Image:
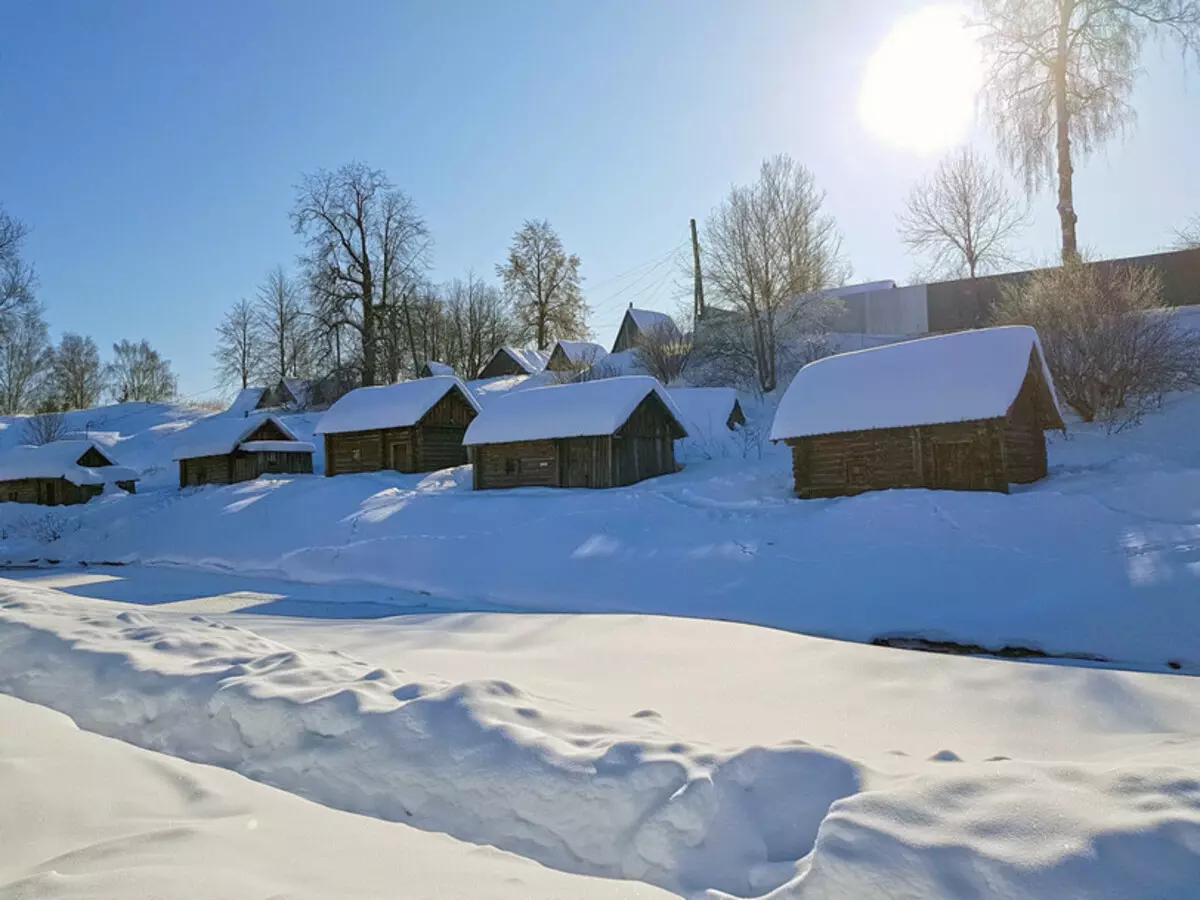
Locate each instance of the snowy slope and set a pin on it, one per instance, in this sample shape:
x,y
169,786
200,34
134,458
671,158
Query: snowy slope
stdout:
x,y
89,817
692,755
1101,558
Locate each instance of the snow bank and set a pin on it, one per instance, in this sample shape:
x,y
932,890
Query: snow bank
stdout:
x,y
60,459
390,406
948,378
470,759
89,817
565,410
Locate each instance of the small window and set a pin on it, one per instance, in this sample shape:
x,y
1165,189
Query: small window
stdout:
x,y
512,465
858,472
13,496
356,454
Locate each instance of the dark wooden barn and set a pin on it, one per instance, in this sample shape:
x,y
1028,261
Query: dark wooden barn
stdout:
x,y
413,426
230,449
644,322
594,434
514,361
62,473
963,411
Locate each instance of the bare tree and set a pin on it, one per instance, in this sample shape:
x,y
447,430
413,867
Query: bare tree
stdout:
x,y
281,326
367,247
962,218
544,285
481,320
137,373
238,353
24,358
1188,237
76,376
44,428
1062,72
769,251
17,279
663,352
1112,346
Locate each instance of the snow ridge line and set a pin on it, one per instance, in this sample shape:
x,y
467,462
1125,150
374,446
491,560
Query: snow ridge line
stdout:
x,y
467,759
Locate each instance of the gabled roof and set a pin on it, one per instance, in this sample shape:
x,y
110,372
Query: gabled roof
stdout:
x,y
433,367
246,400
705,410
960,377
218,435
61,460
650,320
532,361
580,352
586,409
399,405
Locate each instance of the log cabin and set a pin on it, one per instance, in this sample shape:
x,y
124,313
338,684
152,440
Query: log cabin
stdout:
x,y
61,473
961,411
514,361
593,434
637,323
413,426
229,449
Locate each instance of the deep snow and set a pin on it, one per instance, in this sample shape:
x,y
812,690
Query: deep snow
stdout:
x,y
1103,557
693,755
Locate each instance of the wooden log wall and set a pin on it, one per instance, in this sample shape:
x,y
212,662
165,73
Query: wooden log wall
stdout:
x,y
519,464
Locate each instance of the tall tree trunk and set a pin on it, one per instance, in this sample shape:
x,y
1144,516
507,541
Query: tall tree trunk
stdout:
x,y
368,336
1062,114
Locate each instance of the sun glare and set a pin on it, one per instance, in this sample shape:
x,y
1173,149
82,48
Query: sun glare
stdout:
x,y
920,86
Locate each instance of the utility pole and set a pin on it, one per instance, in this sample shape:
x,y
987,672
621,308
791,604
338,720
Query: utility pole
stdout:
x,y
698,290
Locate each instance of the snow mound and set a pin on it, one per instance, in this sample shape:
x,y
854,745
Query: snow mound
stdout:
x,y
956,377
466,759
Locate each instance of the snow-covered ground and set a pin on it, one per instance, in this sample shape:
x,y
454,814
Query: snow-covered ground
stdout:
x,y
696,756
1101,558
85,817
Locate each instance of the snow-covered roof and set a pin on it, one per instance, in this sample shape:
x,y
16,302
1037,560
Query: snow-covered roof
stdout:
x,y
590,408
532,361
578,352
218,435
704,410
849,290
246,400
433,367
60,459
650,320
299,389
390,406
956,377
276,447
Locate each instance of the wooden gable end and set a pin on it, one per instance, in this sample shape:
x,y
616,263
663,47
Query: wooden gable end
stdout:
x,y
652,418
267,431
93,459
1034,403
452,410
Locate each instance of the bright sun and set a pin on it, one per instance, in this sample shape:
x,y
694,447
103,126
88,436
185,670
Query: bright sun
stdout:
x,y
920,86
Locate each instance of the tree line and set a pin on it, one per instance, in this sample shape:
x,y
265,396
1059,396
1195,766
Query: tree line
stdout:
x,y
37,376
359,306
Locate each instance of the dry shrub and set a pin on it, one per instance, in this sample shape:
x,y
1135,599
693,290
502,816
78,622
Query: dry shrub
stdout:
x,y
1112,346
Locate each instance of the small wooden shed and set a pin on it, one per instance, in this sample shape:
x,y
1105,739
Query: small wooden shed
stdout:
x,y
574,356
593,434
226,449
707,410
639,322
431,368
514,361
61,473
413,426
962,411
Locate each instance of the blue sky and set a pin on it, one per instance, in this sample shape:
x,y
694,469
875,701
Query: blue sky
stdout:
x,y
153,146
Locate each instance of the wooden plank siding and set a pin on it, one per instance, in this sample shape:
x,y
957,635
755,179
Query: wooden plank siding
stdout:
x,y
643,447
49,491
435,442
627,335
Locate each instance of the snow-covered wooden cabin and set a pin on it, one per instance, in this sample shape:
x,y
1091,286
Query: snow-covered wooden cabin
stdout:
x,y
594,434
227,449
574,356
432,367
962,411
61,473
707,410
514,361
645,322
413,426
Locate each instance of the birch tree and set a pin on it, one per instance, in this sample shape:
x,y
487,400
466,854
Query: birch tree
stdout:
x,y
1061,76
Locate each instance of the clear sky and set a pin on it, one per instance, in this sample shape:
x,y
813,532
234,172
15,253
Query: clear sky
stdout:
x,y
153,145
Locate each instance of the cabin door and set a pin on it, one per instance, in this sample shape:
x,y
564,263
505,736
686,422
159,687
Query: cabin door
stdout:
x,y
243,468
958,466
400,456
578,459
46,494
